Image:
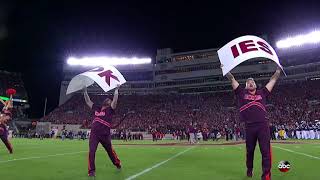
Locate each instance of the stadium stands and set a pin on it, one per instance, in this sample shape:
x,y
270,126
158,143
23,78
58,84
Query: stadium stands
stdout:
x,y
288,104
12,80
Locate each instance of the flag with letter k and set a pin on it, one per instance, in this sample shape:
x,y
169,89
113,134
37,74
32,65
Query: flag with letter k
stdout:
x,y
107,77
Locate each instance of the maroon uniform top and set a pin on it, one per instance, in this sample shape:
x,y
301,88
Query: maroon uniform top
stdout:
x,y
252,107
104,117
191,129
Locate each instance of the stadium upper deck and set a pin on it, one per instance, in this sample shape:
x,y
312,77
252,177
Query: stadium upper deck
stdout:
x,y
199,71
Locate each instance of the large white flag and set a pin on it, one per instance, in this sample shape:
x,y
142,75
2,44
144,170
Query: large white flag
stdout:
x,y
245,48
107,77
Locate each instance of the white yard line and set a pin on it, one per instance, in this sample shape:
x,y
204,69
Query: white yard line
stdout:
x,y
41,157
157,165
295,152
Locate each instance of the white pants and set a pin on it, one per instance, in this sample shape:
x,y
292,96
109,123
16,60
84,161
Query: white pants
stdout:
x,y
308,134
292,134
312,134
304,134
192,138
317,134
298,134
285,135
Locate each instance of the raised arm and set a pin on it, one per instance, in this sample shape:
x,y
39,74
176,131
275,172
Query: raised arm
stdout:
x,y
233,81
10,102
87,98
273,79
115,98
7,104
1,119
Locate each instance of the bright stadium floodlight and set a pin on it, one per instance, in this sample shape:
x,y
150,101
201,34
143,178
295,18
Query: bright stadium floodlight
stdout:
x,y
310,38
98,61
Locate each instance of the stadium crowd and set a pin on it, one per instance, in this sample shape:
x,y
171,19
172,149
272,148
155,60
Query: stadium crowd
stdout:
x,y
12,80
214,112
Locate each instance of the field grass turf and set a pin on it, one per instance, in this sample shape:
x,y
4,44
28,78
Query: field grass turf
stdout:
x,y
35,159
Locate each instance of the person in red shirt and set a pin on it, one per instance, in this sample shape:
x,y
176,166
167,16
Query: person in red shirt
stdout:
x,y
252,107
100,130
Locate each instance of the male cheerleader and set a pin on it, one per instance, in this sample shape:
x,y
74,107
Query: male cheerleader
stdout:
x,y
100,130
252,103
5,116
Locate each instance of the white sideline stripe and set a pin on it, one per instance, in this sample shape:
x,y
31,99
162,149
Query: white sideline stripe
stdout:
x,y
157,165
295,152
40,157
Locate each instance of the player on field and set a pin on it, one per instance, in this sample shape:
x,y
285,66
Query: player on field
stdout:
x,y
100,130
298,130
318,130
303,131
5,116
252,103
312,128
191,132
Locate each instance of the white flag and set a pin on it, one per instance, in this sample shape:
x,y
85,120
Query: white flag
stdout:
x,y
107,77
245,48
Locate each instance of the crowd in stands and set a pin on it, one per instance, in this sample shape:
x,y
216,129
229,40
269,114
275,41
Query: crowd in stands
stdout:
x,y
12,80
216,112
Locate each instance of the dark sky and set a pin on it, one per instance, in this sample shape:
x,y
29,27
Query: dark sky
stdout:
x,y
41,34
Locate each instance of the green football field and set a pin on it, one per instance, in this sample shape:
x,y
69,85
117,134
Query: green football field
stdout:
x,y
35,159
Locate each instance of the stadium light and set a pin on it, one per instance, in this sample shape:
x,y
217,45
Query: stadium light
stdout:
x,y
97,61
310,38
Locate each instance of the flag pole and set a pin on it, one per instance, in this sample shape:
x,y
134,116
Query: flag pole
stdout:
x,y
45,107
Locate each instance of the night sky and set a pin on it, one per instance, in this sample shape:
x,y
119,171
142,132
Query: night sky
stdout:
x,y
37,36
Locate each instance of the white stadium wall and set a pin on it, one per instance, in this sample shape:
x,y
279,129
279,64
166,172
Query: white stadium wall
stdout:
x,y
68,127
63,89
213,72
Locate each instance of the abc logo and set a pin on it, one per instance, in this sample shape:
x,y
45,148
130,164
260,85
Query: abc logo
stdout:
x,y
284,166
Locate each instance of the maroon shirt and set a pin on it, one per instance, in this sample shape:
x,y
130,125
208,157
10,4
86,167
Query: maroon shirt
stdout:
x,y
252,107
191,129
104,117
